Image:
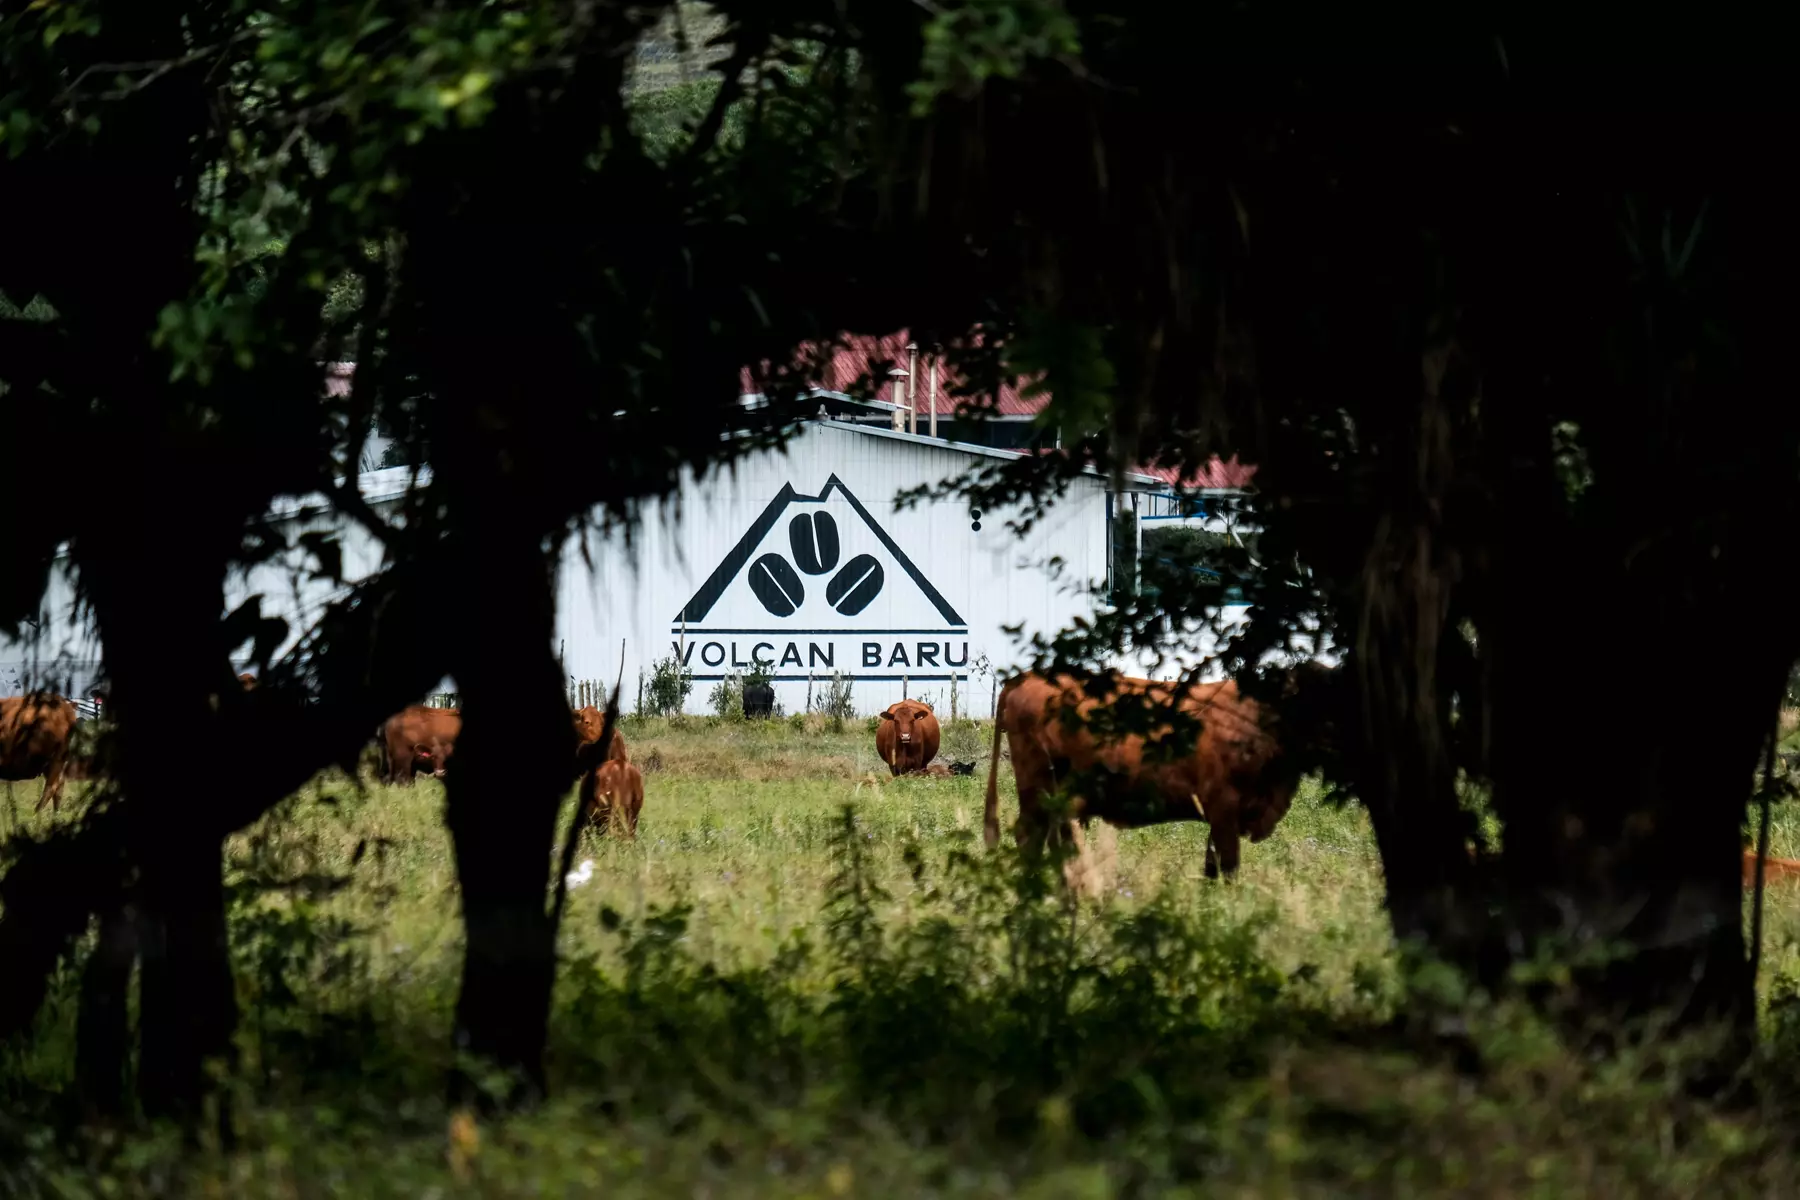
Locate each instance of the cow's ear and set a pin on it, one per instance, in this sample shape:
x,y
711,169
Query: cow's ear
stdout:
x,y
887,716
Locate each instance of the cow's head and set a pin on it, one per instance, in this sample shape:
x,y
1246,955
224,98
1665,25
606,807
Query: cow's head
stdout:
x,y
589,723
908,717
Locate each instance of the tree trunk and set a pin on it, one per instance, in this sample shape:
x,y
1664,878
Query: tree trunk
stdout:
x,y
103,1029
1623,790
168,675
188,1009
506,786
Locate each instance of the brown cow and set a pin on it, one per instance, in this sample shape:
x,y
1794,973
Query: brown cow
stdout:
x,y
419,739
907,738
34,740
590,722
1775,870
614,788
1236,778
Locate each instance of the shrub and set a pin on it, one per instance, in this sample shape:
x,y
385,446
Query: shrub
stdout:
x,y
835,701
727,697
666,691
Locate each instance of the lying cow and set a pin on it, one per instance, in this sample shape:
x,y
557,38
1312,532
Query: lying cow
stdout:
x,y
1236,778
613,790
419,739
907,737
34,740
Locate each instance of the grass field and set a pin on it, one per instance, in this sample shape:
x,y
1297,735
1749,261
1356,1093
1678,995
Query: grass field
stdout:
x,y
763,996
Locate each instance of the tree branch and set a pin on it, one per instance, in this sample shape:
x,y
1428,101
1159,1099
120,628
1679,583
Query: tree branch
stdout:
x,y
155,68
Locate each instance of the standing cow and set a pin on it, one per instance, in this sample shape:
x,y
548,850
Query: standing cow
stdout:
x,y
613,787
613,790
34,740
1235,778
907,737
590,723
419,739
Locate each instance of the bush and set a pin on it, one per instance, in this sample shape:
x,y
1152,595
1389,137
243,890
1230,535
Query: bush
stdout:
x,y
727,697
665,693
835,701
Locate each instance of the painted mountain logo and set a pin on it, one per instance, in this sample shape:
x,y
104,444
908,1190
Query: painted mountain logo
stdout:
x,y
816,585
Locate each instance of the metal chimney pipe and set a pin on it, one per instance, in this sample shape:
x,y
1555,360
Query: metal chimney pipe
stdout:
x,y
934,367
898,399
912,386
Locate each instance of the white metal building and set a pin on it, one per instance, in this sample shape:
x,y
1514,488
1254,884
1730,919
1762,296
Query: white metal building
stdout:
x,y
801,562
796,560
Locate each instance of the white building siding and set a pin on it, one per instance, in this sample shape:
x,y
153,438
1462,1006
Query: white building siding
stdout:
x,y
943,584
695,580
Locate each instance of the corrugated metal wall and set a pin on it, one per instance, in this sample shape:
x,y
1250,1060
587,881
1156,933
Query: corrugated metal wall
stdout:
x,y
798,560
897,599
60,653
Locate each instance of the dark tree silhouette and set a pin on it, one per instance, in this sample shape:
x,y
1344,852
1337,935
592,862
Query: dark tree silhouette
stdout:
x,y
1500,332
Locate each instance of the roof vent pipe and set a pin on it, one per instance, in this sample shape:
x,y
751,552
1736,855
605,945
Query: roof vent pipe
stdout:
x,y
912,387
933,395
899,395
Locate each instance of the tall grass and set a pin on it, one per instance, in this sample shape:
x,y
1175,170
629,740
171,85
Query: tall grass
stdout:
x,y
805,978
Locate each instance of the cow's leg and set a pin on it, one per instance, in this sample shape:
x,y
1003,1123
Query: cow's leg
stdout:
x,y
588,797
1224,836
53,782
1212,857
400,766
1032,831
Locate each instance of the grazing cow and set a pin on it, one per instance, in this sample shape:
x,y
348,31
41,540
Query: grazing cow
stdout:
x,y
1236,778
34,740
907,738
590,722
613,789
419,739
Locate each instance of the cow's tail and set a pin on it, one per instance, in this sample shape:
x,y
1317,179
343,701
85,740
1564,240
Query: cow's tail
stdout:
x,y
385,767
990,816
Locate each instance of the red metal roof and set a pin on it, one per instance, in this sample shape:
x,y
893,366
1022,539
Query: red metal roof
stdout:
x,y
855,357
1218,473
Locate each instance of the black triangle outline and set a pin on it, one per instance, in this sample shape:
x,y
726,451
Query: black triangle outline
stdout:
x,y
732,563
